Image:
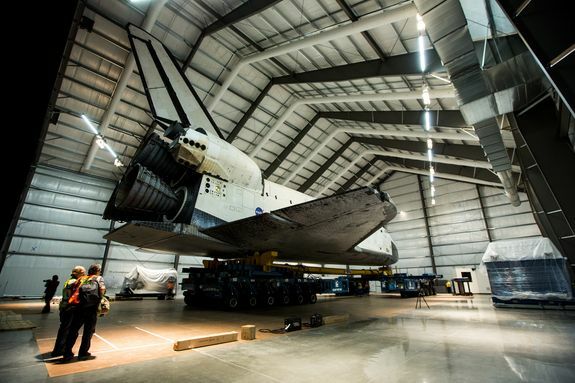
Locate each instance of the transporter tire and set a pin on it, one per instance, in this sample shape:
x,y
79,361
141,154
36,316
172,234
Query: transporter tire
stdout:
x,y
299,299
232,302
270,300
312,298
188,300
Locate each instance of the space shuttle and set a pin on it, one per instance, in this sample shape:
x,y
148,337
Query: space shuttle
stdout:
x,y
188,191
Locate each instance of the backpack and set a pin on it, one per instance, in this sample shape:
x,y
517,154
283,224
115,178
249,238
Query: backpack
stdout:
x,y
89,292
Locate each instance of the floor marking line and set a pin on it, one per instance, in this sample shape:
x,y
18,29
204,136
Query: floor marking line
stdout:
x,y
236,365
123,349
156,335
45,339
134,347
107,342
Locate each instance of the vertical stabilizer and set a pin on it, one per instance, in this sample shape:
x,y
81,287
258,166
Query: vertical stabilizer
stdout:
x,y
169,92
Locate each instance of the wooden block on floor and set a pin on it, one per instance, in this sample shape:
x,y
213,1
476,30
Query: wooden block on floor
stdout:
x,y
248,332
207,340
331,319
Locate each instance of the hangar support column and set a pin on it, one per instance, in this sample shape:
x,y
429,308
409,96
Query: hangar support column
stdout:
x,y
426,218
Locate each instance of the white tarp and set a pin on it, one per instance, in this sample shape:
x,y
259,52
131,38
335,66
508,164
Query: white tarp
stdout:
x,y
521,250
141,278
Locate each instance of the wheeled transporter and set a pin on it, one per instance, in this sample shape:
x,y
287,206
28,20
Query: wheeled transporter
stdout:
x,y
232,285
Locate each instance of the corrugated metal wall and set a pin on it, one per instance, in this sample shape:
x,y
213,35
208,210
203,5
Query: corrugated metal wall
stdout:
x,y
60,227
459,232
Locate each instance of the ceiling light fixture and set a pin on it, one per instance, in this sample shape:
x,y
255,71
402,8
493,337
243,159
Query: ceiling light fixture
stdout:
x,y
101,141
421,42
425,95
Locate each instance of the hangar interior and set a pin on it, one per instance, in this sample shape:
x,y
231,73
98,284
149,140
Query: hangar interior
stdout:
x,y
460,110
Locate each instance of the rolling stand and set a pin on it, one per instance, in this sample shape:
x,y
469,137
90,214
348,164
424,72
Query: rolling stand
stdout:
x,y
420,297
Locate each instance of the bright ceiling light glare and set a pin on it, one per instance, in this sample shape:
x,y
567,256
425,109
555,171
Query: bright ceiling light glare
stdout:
x,y
420,23
92,127
109,149
431,173
429,155
420,44
432,191
429,143
433,201
118,163
440,78
427,121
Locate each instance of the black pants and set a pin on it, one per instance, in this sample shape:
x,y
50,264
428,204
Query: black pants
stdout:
x,y
83,316
47,299
66,317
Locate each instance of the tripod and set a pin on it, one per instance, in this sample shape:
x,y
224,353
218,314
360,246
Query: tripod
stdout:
x,y
420,297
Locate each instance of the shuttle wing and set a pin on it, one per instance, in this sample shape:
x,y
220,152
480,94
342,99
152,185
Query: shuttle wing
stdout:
x,y
328,225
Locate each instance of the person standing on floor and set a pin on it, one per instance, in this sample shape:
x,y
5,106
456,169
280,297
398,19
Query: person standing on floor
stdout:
x,y
51,286
86,313
66,311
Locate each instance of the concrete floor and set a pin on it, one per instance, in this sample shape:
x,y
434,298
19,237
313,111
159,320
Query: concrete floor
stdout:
x,y
386,340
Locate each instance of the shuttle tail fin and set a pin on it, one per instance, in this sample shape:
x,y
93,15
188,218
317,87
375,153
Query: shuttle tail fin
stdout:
x,y
170,94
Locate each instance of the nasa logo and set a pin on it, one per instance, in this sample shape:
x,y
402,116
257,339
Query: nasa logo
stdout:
x,y
259,211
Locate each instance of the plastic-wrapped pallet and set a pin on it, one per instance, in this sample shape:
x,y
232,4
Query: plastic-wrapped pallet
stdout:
x,y
527,269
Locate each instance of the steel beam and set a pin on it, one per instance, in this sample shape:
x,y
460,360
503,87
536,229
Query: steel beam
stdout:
x,y
236,130
400,65
107,248
426,218
240,13
359,174
310,181
370,40
445,119
455,170
288,149
247,9
483,215
441,118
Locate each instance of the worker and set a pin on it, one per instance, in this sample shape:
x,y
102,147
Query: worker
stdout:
x,y
66,311
448,286
170,287
85,314
50,289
